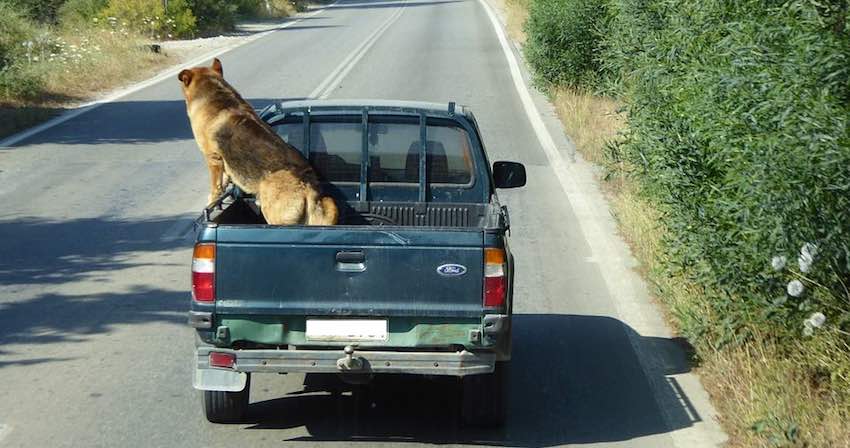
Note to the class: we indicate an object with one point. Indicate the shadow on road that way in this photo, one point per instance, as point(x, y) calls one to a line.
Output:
point(57, 252)
point(247, 31)
point(574, 379)
point(61, 318)
point(369, 4)
point(43, 253)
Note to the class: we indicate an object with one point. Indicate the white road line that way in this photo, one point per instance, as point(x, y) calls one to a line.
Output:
point(631, 308)
point(332, 81)
point(168, 73)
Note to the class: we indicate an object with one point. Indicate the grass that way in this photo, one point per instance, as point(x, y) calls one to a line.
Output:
point(116, 60)
point(766, 398)
point(766, 395)
point(517, 13)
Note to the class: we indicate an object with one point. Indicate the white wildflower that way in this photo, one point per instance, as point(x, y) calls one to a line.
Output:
point(810, 249)
point(805, 263)
point(807, 257)
point(795, 288)
point(778, 262)
point(817, 320)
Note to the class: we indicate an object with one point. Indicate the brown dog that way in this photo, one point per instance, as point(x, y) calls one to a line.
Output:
point(238, 144)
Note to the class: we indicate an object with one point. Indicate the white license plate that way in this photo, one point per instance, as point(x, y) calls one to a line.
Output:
point(345, 330)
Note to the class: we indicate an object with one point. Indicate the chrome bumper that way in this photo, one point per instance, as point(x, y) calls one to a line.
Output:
point(366, 361)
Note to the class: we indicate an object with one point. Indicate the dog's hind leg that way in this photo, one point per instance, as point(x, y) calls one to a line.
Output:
point(323, 213)
point(282, 201)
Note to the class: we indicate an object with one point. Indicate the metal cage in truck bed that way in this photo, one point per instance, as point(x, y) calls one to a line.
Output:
point(432, 196)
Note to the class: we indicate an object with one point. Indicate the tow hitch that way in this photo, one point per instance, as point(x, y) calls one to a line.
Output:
point(349, 362)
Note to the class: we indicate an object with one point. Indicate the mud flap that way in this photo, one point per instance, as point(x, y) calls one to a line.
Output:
point(221, 380)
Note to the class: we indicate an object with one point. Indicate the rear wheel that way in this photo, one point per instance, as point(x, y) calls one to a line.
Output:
point(227, 407)
point(484, 398)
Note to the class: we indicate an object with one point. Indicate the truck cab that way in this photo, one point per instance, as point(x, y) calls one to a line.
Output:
point(416, 278)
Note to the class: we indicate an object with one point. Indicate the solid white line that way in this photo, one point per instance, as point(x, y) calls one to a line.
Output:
point(331, 82)
point(168, 73)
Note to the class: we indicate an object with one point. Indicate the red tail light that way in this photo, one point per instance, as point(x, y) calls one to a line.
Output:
point(223, 360)
point(203, 272)
point(495, 283)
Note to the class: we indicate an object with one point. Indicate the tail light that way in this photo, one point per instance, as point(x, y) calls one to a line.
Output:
point(222, 360)
point(495, 283)
point(203, 272)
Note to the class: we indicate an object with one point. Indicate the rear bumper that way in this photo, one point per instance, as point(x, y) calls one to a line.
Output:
point(366, 361)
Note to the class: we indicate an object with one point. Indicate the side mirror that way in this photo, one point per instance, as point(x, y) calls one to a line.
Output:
point(508, 174)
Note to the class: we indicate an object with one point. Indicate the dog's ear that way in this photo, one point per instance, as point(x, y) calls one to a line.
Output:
point(185, 77)
point(216, 66)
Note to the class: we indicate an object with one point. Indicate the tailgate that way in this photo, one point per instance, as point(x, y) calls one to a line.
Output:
point(349, 271)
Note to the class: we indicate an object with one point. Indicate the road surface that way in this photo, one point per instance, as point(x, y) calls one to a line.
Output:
point(95, 244)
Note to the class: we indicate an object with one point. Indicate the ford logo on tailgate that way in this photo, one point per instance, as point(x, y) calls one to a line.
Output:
point(451, 270)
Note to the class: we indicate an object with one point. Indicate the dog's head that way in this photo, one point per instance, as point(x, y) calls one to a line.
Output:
point(192, 77)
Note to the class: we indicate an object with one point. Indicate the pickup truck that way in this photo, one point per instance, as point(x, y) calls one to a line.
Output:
point(417, 277)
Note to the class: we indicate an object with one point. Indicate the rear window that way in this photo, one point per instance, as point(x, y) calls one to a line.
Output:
point(393, 148)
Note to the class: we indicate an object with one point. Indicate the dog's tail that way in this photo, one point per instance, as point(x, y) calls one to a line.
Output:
point(322, 212)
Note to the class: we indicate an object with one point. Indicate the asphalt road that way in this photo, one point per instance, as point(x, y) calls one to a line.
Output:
point(95, 247)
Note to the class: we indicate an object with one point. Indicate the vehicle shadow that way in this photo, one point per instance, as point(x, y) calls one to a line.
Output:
point(574, 379)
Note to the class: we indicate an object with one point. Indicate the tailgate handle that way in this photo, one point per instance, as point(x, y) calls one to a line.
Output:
point(351, 261)
point(354, 256)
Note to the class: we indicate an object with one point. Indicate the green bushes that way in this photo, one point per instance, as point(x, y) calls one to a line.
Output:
point(738, 120)
point(81, 12)
point(213, 15)
point(149, 17)
point(564, 39)
point(20, 42)
point(44, 11)
point(738, 128)
point(266, 8)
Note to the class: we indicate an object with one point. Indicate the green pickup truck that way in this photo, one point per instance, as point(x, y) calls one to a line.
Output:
point(417, 278)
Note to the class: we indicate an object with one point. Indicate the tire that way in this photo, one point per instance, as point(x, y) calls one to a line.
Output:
point(484, 398)
point(227, 407)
